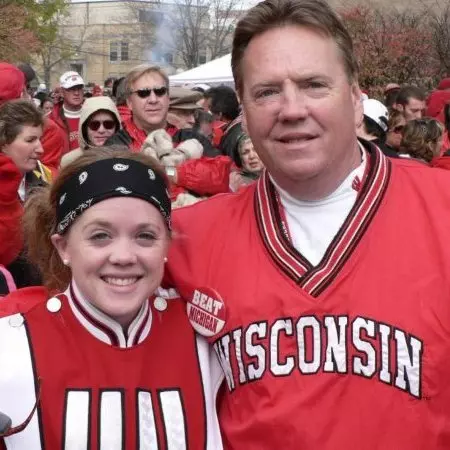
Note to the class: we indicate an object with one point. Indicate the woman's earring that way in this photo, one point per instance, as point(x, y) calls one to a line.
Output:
point(66, 262)
point(165, 259)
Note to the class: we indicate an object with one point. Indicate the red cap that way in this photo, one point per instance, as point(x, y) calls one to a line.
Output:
point(444, 84)
point(12, 82)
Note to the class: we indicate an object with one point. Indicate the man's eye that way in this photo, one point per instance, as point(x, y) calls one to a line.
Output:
point(266, 93)
point(316, 85)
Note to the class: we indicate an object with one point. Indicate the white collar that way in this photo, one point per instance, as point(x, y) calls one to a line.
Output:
point(342, 190)
point(22, 190)
point(68, 114)
point(103, 327)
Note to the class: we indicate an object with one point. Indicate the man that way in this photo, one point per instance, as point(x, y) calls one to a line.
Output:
point(182, 108)
point(323, 287)
point(66, 114)
point(374, 126)
point(390, 94)
point(147, 91)
point(223, 104)
point(410, 101)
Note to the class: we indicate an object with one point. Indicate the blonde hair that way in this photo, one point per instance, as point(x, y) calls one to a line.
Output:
point(39, 220)
point(420, 138)
point(138, 71)
point(269, 14)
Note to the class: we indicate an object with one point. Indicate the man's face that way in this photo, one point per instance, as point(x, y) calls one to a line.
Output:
point(73, 97)
point(149, 112)
point(299, 107)
point(182, 118)
point(414, 109)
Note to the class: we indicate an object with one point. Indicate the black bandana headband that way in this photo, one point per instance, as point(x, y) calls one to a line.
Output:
point(106, 178)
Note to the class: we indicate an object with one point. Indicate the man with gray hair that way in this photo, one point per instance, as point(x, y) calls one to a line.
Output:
point(147, 92)
point(323, 287)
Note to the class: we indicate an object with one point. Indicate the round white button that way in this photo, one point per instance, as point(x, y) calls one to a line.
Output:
point(16, 321)
point(54, 304)
point(160, 304)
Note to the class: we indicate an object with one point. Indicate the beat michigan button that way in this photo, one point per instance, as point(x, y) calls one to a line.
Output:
point(206, 312)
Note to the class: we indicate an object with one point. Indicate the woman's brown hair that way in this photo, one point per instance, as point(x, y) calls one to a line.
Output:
point(39, 221)
point(420, 138)
point(14, 115)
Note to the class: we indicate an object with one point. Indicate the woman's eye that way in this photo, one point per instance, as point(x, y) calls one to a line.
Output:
point(146, 236)
point(100, 236)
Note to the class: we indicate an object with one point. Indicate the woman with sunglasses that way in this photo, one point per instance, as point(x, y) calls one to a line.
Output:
point(99, 120)
point(396, 124)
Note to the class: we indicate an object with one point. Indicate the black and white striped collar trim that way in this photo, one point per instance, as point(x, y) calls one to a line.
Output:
point(103, 327)
point(275, 235)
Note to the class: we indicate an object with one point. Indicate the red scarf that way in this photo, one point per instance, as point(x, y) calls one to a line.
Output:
point(137, 135)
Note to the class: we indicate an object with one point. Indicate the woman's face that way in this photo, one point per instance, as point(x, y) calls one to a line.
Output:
point(26, 149)
point(394, 135)
point(116, 252)
point(250, 159)
point(100, 127)
point(47, 107)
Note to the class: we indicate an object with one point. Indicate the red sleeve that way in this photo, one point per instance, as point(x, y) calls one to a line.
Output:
point(10, 211)
point(443, 162)
point(205, 176)
point(53, 143)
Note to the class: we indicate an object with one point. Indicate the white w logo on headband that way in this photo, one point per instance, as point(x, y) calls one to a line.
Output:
point(123, 190)
point(120, 167)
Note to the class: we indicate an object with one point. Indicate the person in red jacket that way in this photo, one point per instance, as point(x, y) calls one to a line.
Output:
point(66, 114)
point(52, 138)
point(10, 210)
point(324, 286)
point(102, 357)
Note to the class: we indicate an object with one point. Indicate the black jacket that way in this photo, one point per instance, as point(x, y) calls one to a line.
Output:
point(121, 138)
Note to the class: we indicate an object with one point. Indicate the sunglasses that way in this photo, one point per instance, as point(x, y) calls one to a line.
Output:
point(146, 92)
point(398, 129)
point(94, 125)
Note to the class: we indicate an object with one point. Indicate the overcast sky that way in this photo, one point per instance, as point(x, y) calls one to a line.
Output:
point(247, 3)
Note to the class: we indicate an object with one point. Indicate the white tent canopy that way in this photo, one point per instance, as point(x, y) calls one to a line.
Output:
point(217, 71)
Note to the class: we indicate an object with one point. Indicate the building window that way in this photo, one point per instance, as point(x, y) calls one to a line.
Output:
point(156, 18)
point(76, 67)
point(124, 51)
point(118, 51)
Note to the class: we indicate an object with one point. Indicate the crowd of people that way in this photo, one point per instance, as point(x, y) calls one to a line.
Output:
point(304, 307)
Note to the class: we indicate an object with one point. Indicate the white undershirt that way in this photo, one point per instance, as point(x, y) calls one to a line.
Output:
point(71, 114)
point(313, 224)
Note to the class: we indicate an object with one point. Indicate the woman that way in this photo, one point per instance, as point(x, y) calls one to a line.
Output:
point(47, 106)
point(99, 120)
point(21, 125)
point(396, 124)
point(422, 139)
point(113, 365)
point(249, 163)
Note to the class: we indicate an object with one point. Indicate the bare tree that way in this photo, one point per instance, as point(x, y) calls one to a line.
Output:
point(439, 17)
point(186, 30)
point(224, 15)
point(59, 45)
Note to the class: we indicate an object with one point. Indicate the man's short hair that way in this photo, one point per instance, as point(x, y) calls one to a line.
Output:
point(143, 69)
point(223, 101)
point(314, 14)
point(407, 92)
